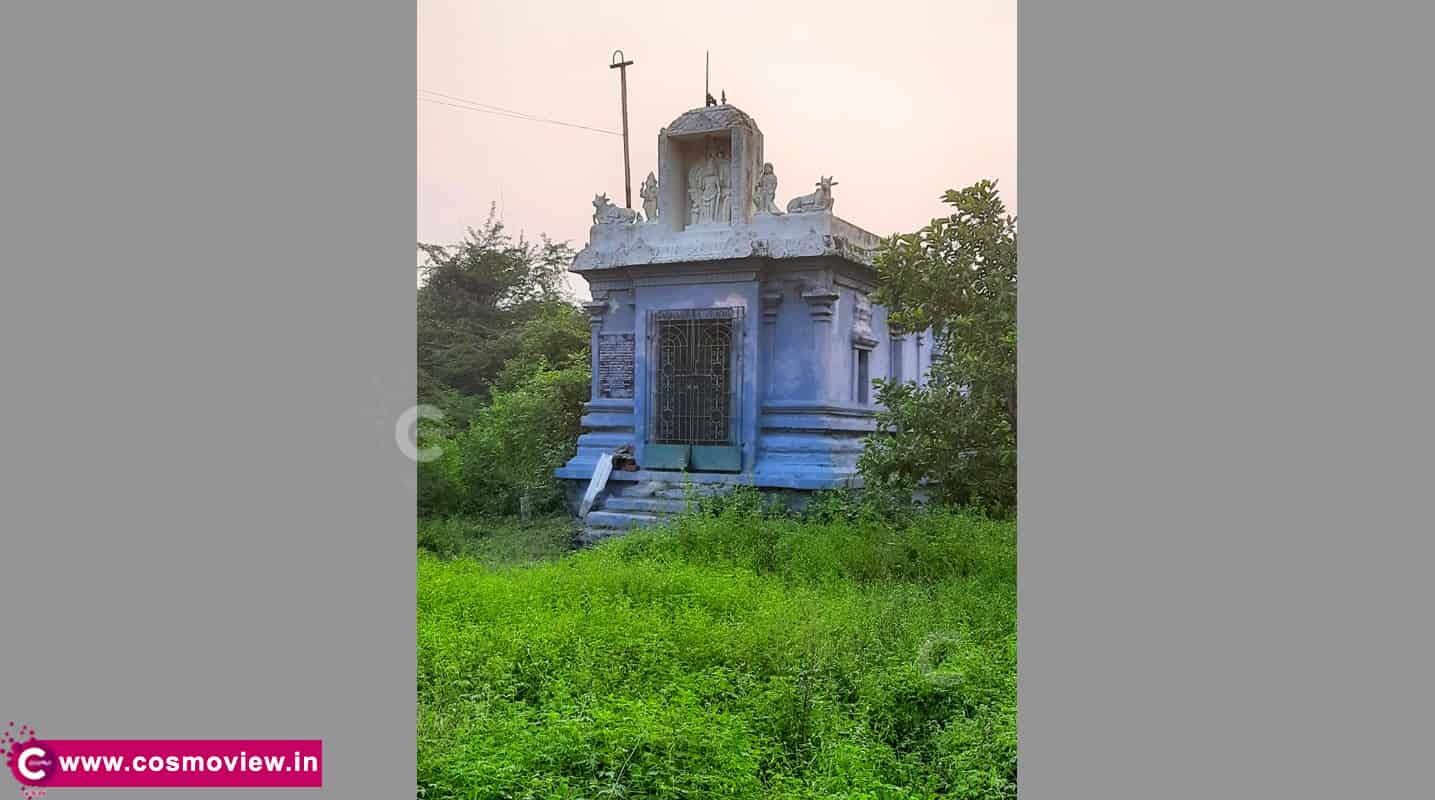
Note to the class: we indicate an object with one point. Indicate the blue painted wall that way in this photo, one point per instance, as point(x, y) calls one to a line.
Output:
point(801, 423)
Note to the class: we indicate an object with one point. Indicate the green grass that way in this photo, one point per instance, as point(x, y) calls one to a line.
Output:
point(728, 656)
point(497, 542)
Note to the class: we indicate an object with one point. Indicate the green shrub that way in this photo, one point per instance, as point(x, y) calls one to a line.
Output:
point(443, 537)
point(516, 442)
point(503, 354)
point(492, 455)
point(440, 481)
point(954, 437)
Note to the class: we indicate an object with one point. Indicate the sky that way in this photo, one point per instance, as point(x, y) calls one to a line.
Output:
point(898, 100)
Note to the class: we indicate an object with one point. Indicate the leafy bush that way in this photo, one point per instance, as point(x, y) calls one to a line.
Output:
point(516, 442)
point(440, 481)
point(511, 445)
point(733, 655)
point(939, 438)
point(557, 334)
point(954, 437)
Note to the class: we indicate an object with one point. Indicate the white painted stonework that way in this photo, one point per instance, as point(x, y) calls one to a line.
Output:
point(766, 191)
point(649, 193)
point(816, 233)
point(713, 199)
point(605, 213)
point(820, 200)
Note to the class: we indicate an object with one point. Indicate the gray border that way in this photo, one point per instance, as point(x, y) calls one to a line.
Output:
point(207, 326)
point(1225, 387)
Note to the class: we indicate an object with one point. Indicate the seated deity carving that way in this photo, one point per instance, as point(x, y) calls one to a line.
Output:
point(709, 190)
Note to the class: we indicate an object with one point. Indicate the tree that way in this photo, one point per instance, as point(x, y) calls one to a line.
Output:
point(504, 353)
point(557, 335)
point(957, 434)
point(476, 299)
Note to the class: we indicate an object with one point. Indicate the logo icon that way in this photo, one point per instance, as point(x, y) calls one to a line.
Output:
point(31, 761)
point(35, 762)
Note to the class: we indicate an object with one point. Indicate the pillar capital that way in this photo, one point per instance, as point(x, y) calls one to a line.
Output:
point(596, 309)
point(771, 301)
point(821, 302)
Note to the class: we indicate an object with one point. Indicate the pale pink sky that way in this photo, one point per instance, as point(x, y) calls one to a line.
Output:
point(899, 100)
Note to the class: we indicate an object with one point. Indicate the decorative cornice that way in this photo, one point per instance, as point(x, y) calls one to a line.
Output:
point(775, 238)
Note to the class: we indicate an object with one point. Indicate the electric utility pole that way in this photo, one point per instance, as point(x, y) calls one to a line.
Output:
point(622, 65)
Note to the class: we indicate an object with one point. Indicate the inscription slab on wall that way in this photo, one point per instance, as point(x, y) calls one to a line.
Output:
point(615, 365)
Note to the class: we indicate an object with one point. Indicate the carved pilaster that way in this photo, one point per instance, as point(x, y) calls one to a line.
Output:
point(822, 307)
point(771, 301)
point(595, 310)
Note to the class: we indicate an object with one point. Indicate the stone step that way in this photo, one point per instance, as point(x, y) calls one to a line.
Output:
point(643, 488)
point(681, 493)
point(651, 505)
point(622, 520)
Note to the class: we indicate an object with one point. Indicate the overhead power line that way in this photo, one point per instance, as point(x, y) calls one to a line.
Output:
point(521, 117)
point(454, 101)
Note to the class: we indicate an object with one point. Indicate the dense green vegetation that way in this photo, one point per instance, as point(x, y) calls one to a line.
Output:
point(956, 434)
point(475, 303)
point(497, 541)
point(503, 354)
point(732, 655)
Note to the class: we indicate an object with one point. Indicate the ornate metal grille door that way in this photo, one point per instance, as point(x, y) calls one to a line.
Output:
point(696, 377)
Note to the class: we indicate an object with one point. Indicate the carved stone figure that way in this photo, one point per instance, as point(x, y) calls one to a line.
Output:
point(695, 192)
point(711, 196)
point(820, 200)
point(709, 192)
point(605, 213)
point(724, 203)
point(765, 191)
point(862, 322)
point(649, 193)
